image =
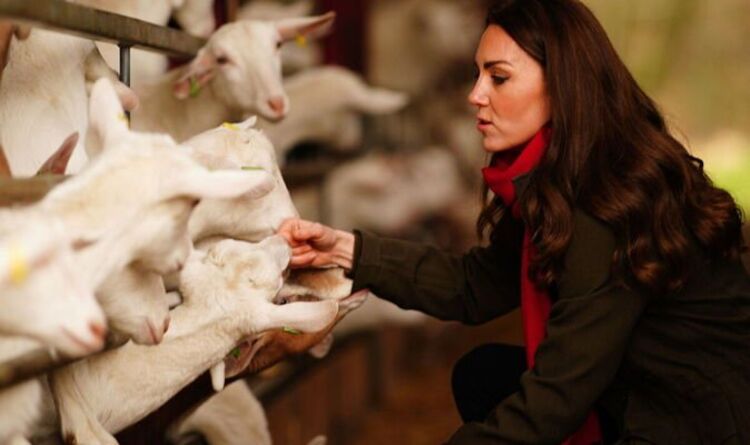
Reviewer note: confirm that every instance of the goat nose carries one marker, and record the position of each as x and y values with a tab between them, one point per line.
276	104
97	329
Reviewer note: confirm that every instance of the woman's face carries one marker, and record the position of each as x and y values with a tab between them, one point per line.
510	92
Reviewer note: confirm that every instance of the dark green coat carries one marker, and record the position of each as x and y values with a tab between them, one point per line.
674	370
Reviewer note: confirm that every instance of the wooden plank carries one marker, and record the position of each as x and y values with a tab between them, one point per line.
32	364
26	190
90	23
232	7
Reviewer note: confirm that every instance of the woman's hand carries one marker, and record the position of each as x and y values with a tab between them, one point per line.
316	245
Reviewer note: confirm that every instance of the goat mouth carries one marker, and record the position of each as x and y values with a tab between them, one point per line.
153	333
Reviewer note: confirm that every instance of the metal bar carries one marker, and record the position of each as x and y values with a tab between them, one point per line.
90	23
124	63
125	68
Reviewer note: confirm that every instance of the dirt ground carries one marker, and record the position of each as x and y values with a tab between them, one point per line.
420	409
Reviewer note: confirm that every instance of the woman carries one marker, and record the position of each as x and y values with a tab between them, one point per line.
623	256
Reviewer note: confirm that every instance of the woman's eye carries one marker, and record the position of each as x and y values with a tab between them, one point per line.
499	80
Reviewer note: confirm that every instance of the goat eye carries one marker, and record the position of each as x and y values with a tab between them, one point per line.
278	44
281	301
222	60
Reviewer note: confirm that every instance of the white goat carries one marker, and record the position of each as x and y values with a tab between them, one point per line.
238	146
195	16
45	296
328	104
155	240
124	209
237	72
43	96
227	293
412	43
136	172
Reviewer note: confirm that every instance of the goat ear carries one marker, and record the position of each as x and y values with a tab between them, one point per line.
4	165
196	75
380	100
58	162
223	184
248	123
107	119
309	27
323	347
22	32
302	316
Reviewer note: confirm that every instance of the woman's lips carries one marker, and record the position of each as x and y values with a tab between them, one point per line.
483	125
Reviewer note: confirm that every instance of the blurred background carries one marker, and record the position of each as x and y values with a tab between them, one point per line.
390	146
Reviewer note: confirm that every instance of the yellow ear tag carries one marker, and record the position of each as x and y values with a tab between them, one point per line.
230	126
123	118
250	168
195	87
292	331
235	352
19	267
301	40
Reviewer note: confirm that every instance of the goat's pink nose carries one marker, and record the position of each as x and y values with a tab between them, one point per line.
97	329
276	104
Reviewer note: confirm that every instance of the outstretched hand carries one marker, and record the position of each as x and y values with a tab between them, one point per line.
316	245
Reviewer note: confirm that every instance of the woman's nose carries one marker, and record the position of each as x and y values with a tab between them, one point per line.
477	97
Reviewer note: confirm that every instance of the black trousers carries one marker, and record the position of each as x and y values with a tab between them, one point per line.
492	372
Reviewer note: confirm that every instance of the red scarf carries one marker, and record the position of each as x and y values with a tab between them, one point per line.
535	303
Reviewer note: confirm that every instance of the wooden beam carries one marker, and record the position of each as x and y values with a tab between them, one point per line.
94	24
232	6
32	364
19	191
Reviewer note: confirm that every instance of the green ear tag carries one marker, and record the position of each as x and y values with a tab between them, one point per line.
292	331
235	352
195	87
251	168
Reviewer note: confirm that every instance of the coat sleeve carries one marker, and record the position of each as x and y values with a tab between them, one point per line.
587	334
473	288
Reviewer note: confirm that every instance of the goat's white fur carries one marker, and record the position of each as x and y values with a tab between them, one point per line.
237	72
327	106
43	98
227	296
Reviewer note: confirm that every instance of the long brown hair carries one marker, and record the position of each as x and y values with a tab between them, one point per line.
612	156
